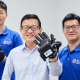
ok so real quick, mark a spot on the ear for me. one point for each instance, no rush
(20, 29)
(63, 30)
(6, 15)
(40, 30)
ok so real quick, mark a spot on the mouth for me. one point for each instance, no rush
(71, 34)
(30, 35)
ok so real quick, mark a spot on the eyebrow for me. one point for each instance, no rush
(1, 11)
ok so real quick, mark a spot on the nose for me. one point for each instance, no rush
(30, 30)
(70, 29)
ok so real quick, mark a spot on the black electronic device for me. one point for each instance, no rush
(47, 47)
(2, 54)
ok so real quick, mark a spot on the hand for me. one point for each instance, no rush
(5, 58)
(46, 48)
(2, 55)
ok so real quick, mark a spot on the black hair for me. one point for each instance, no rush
(30, 16)
(70, 16)
(3, 5)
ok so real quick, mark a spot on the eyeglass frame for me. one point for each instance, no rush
(30, 27)
(76, 26)
(1, 13)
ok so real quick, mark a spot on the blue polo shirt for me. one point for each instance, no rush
(8, 40)
(71, 63)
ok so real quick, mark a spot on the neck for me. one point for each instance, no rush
(73, 45)
(30, 45)
(2, 27)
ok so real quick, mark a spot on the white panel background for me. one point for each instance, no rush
(50, 12)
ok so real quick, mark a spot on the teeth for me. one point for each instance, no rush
(30, 35)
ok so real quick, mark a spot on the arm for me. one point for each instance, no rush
(48, 49)
(8, 68)
(55, 67)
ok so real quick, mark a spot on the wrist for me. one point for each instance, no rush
(54, 59)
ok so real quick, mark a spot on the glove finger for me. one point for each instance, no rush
(36, 42)
(46, 36)
(52, 38)
(38, 38)
(41, 35)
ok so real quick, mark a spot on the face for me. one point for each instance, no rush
(3, 16)
(29, 35)
(72, 35)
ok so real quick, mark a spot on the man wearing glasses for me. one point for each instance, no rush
(25, 60)
(8, 39)
(70, 54)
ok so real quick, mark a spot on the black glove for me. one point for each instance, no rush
(2, 54)
(47, 47)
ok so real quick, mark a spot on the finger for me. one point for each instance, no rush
(41, 35)
(46, 36)
(52, 38)
(36, 42)
(38, 38)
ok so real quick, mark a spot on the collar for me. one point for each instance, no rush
(76, 49)
(5, 32)
(24, 47)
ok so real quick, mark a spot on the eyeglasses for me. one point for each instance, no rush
(73, 27)
(1, 13)
(33, 28)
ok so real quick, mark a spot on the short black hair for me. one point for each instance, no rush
(70, 16)
(3, 5)
(30, 16)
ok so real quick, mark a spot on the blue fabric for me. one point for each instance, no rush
(71, 63)
(8, 40)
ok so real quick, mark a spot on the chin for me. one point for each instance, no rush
(29, 40)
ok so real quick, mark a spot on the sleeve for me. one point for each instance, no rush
(17, 40)
(55, 67)
(8, 68)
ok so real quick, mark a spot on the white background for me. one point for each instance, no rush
(50, 12)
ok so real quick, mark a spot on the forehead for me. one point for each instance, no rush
(30, 22)
(1, 9)
(71, 22)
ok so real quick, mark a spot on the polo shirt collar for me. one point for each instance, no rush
(5, 32)
(76, 49)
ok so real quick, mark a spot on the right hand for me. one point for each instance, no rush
(45, 43)
(5, 58)
(2, 54)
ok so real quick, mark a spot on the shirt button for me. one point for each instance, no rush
(30, 63)
(68, 58)
(29, 72)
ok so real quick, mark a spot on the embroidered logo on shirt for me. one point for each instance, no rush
(7, 42)
(76, 61)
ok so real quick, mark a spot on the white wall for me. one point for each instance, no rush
(50, 12)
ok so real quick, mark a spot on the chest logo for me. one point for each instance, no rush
(7, 42)
(76, 61)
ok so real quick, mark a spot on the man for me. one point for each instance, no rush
(25, 60)
(70, 54)
(8, 39)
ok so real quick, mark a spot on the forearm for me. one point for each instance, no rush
(55, 68)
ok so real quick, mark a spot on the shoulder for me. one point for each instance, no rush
(16, 50)
(11, 32)
(61, 52)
